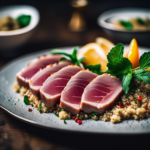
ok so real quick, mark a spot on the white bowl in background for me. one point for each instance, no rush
(15, 38)
(105, 21)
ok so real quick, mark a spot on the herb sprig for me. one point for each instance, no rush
(72, 57)
(121, 67)
(95, 69)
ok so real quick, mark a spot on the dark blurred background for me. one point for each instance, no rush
(53, 31)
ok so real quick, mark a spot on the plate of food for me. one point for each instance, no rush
(99, 88)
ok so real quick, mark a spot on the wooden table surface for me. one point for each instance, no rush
(16, 135)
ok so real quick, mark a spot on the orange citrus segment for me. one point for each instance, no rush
(105, 44)
(133, 53)
(93, 54)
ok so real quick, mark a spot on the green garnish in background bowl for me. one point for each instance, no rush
(23, 20)
(126, 24)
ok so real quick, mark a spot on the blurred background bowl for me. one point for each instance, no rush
(124, 36)
(16, 38)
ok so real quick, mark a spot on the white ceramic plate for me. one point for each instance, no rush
(48, 120)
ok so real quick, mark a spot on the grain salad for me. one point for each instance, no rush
(134, 105)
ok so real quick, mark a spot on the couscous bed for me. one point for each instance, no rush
(134, 105)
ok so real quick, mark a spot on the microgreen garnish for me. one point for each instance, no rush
(95, 68)
(61, 110)
(94, 114)
(56, 114)
(32, 105)
(65, 122)
(23, 20)
(72, 57)
(126, 24)
(140, 21)
(122, 68)
(26, 100)
(40, 107)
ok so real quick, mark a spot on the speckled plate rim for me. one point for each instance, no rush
(58, 128)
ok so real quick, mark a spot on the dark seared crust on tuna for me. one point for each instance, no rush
(71, 95)
(101, 94)
(51, 90)
(34, 66)
(39, 78)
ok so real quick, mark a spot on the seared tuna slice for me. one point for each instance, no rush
(39, 78)
(34, 66)
(51, 90)
(101, 94)
(71, 95)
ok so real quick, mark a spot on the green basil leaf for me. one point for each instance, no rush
(145, 60)
(126, 82)
(126, 24)
(26, 100)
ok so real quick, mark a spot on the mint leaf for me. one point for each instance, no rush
(126, 24)
(23, 20)
(145, 60)
(126, 81)
(142, 75)
(116, 53)
(94, 68)
(119, 68)
(26, 100)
